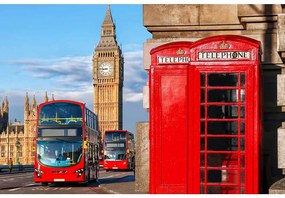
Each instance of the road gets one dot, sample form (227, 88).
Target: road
(108, 183)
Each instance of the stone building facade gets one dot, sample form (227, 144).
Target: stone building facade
(17, 139)
(265, 23)
(108, 77)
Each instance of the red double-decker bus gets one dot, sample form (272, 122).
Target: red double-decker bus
(67, 143)
(119, 150)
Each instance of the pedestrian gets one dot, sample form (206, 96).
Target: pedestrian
(10, 165)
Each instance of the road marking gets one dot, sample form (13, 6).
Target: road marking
(8, 179)
(14, 189)
(112, 176)
(29, 185)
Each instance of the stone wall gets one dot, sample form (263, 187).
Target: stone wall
(262, 22)
(142, 157)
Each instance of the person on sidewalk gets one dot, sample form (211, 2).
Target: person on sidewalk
(10, 165)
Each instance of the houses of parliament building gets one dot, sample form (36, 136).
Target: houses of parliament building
(17, 140)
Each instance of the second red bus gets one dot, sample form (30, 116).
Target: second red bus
(119, 150)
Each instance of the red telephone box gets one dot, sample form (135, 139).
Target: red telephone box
(205, 116)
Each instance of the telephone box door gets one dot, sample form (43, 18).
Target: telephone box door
(228, 143)
(225, 139)
(171, 159)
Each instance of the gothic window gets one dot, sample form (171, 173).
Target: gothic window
(11, 150)
(20, 151)
(2, 151)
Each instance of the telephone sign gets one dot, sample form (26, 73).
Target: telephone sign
(231, 55)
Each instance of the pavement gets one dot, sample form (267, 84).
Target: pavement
(15, 170)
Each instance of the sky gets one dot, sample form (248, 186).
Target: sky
(49, 48)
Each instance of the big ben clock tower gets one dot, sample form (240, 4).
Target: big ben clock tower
(108, 77)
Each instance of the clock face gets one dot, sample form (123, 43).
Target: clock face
(105, 69)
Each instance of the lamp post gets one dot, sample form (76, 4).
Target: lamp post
(8, 146)
(18, 144)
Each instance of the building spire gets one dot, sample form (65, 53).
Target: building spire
(108, 20)
(34, 102)
(46, 97)
(108, 33)
(6, 105)
(26, 106)
(52, 97)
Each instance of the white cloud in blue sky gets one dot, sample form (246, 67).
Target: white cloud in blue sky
(75, 73)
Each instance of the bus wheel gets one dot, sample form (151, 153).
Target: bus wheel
(44, 183)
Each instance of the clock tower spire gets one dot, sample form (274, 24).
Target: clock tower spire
(108, 67)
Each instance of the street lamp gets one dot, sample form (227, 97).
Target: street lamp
(8, 146)
(18, 144)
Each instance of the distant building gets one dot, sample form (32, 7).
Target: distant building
(17, 139)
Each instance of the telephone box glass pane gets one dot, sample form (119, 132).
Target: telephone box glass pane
(225, 144)
(219, 160)
(202, 79)
(202, 127)
(202, 95)
(223, 79)
(222, 127)
(242, 95)
(226, 111)
(202, 111)
(242, 79)
(222, 95)
(202, 159)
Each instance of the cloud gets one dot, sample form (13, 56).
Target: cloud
(132, 96)
(74, 69)
(74, 74)
(135, 76)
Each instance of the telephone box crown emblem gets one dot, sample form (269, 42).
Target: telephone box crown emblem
(180, 51)
(224, 45)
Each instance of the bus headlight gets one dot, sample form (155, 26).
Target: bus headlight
(39, 172)
(79, 172)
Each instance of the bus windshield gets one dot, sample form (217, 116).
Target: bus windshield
(115, 150)
(60, 113)
(115, 136)
(115, 146)
(59, 152)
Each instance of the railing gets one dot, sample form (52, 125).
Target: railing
(27, 168)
